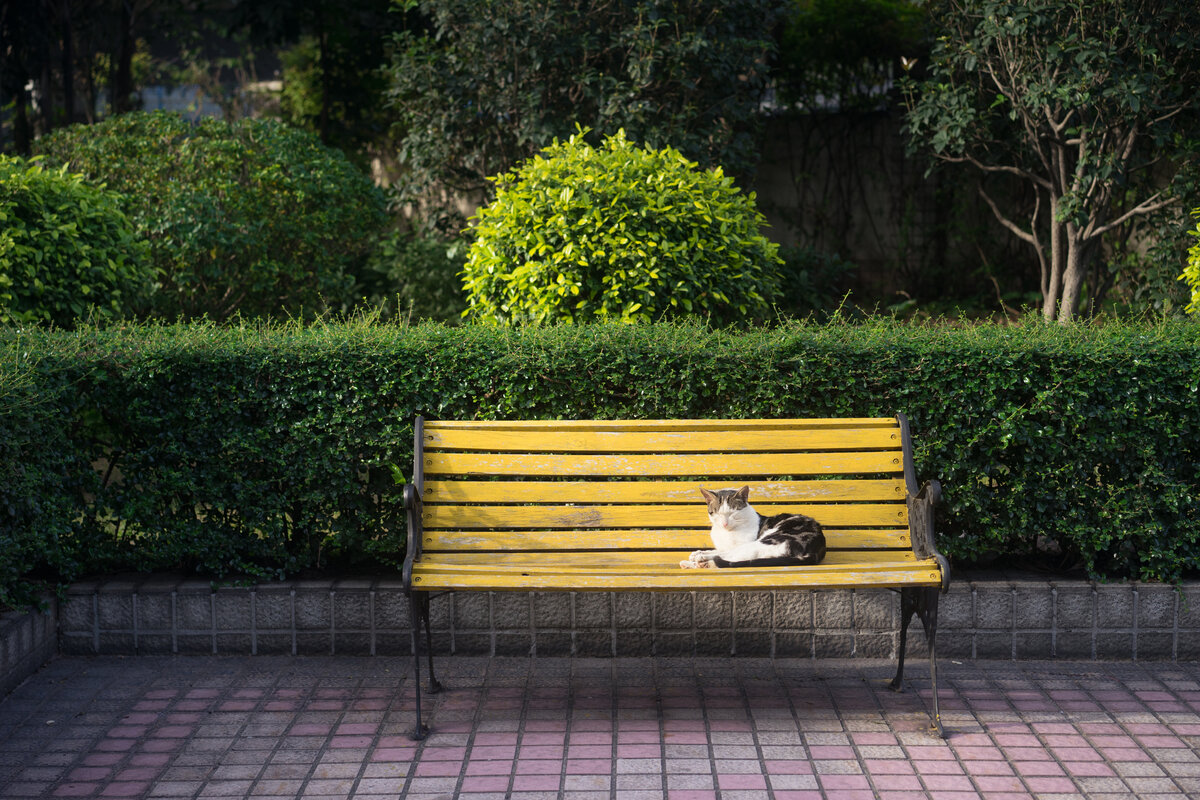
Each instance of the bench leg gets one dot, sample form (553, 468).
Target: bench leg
(922, 602)
(419, 606)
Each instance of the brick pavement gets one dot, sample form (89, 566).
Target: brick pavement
(679, 728)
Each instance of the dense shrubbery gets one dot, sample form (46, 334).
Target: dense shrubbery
(252, 216)
(264, 451)
(66, 249)
(618, 233)
(1191, 272)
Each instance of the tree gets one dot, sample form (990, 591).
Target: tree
(1089, 103)
(480, 85)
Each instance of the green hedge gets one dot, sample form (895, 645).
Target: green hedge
(267, 450)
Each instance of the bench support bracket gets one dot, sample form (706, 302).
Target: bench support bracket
(922, 602)
(419, 605)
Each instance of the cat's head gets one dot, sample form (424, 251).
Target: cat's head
(725, 504)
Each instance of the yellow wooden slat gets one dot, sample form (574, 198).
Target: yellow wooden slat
(663, 424)
(846, 490)
(924, 573)
(864, 515)
(695, 539)
(573, 441)
(639, 465)
(455, 540)
(625, 559)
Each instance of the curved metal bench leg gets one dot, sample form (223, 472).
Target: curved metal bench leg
(418, 603)
(923, 602)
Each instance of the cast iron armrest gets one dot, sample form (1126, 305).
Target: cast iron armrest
(412, 505)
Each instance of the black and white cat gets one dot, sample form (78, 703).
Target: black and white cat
(744, 538)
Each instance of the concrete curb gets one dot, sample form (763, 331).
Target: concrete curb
(985, 615)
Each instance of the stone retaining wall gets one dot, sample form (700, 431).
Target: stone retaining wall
(983, 616)
(27, 640)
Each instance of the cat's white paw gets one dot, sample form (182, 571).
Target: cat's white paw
(702, 555)
(688, 565)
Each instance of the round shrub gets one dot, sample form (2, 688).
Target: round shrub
(250, 216)
(1191, 271)
(66, 249)
(617, 233)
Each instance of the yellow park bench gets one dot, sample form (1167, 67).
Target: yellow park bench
(613, 506)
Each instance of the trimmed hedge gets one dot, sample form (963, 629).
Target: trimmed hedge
(268, 450)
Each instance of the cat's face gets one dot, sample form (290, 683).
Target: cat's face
(727, 506)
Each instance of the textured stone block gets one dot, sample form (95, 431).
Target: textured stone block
(993, 606)
(673, 611)
(833, 610)
(154, 644)
(791, 644)
(1033, 645)
(989, 644)
(634, 643)
(833, 645)
(593, 644)
(753, 610)
(753, 643)
(669, 644)
(115, 611)
(794, 610)
(391, 612)
(76, 614)
(1114, 606)
(593, 610)
(714, 643)
(1189, 608)
(274, 644)
(234, 644)
(273, 611)
(1155, 607)
(351, 609)
(552, 610)
(313, 644)
(154, 612)
(193, 611)
(473, 644)
(1034, 606)
(956, 608)
(1155, 646)
(193, 644)
(510, 610)
(875, 610)
(231, 609)
(875, 645)
(714, 611)
(550, 644)
(1075, 607)
(472, 611)
(632, 610)
(1113, 645)
(313, 610)
(352, 644)
(1073, 645)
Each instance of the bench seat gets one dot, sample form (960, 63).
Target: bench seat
(616, 505)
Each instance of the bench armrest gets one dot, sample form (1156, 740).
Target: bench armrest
(412, 505)
(922, 528)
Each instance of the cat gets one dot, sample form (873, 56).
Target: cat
(744, 538)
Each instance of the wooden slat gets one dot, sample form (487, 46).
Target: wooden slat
(638, 465)
(847, 490)
(921, 573)
(457, 540)
(865, 515)
(663, 424)
(625, 559)
(587, 441)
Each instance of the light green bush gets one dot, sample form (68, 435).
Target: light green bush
(1191, 271)
(618, 233)
(66, 249)
(253, 216)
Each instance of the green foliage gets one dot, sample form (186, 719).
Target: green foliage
(1191, 272)
(66, 249)
(845, 53)
(1090, 104)
(617, 233)
(414, 277)
(268, 450)
(490, 83)
(252, 217)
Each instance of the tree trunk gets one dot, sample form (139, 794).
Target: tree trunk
(1053, 284)
(122, 83)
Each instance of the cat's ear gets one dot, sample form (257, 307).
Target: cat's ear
(743, 494)
(709, 497)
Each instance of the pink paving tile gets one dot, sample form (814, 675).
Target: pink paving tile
(901, 783)
(589, 766)
(999, 783)
(639, 751)
(505, 752)
(173, 732)
(126, 789)
(869, 738)
(485, 767)
(1028, 768)
(489, 783)
(1027, 754)
(75, 790)
(495, 738)
(888, 766)
(115, 745)
(538, 767)
(127, 731)
(930, 753)
(1088, 769)
(683, 737)
(799, 794)
(947, 783)
(237, 705)
(726, 725)
(536, 783)
(542, 751)
(841, 782)
(137, 774)
(348, 742)
(590, 751)
(544, 737)
(101, 759)
(1125, 754)
(446, 753)
(393, 754)
(988, 768)
(162, 745)
(1077, 754)
(830, 752)
(938, 767)
(1048, 785)
(638, 737)
(443, 769)
(732, 782)
(149, 760)
(1161, 741)
(979, 753)
(357, 728)
(789, 767)
(699, 794)
(89, 774)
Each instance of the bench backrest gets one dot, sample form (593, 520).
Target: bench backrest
(569, 486)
